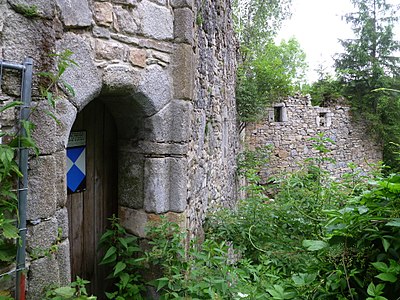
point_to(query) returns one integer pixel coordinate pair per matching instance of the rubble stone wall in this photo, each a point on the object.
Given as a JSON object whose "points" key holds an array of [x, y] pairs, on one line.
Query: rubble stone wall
{"points": [[165, 70], [290, 124]]}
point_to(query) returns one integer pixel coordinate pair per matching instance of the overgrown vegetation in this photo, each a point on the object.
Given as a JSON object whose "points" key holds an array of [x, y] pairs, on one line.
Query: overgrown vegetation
{"points": [[9, 174], [318, 238], [304, 236], [124, 255]]}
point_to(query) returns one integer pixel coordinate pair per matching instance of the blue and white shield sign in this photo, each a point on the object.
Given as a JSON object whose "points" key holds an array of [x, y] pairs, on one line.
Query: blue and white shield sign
{"points": [[76, 162]]}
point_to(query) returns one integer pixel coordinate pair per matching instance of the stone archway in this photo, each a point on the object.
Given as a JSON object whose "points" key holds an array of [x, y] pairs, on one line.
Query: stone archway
{"points": [[152, 135]]}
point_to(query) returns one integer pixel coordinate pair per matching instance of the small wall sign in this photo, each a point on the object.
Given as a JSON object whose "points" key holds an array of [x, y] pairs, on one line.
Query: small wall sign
{"points": [[76, 162]]}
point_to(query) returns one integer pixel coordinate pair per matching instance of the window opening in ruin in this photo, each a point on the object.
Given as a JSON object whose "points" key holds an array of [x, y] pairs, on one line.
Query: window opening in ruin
{"points": [[322, 119], [278, 114]]}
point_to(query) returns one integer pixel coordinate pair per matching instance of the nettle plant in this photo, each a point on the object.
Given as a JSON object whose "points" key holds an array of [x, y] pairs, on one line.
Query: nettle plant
{"points": [[125, 257]]}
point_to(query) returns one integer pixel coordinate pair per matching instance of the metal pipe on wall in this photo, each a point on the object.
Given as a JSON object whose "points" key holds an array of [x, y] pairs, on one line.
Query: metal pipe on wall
{"points": [[26, 94]]}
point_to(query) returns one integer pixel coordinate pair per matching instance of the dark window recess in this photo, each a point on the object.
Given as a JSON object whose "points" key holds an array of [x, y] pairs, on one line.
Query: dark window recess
{"points": [[278, 114], [322, 119]]}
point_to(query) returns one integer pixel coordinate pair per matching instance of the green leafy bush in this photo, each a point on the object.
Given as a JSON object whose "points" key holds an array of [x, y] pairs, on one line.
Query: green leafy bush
{"points": [[313, 237], [123, 254], [195, 271], [76, 290]]}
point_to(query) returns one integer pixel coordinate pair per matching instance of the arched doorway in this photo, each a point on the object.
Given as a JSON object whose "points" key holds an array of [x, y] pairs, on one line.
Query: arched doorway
{"points": [[91, 203]]}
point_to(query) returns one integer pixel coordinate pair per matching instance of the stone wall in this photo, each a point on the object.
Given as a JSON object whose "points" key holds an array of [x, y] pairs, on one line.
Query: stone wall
{"points": [[212, 163], [165, 70], [291, 123]]}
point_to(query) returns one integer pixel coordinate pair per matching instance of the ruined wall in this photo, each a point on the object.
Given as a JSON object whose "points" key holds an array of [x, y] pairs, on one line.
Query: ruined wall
{"points": [[212, 163], [290, 124], [165, 70]]}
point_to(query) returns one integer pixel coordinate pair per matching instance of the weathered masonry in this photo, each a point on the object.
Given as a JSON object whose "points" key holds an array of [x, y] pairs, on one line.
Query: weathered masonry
{"points": [[153, 115], [292, 122]]}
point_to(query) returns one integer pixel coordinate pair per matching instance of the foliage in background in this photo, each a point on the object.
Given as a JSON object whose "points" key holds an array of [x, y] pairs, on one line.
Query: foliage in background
{"points": [[367, 75], [325, 91], [369, 63], [267, 70], [275, 71], [257, 21], [318, 238]]}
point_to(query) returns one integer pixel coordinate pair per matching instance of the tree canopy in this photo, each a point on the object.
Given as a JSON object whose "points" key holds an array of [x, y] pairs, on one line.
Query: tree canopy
{"points": [[273, 72], [257, 21], [369, 62], [267, 70], [368, 73]]}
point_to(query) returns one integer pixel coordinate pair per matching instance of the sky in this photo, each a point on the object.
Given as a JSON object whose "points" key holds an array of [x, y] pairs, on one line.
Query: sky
{"points": [[317, 25]]}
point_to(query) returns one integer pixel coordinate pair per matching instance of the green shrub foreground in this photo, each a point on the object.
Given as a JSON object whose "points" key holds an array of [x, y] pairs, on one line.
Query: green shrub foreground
{"points": [[312, 237]]}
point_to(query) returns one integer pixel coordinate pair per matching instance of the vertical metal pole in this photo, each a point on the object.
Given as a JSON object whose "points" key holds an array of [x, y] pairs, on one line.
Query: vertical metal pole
{"points": [[26, 94]]}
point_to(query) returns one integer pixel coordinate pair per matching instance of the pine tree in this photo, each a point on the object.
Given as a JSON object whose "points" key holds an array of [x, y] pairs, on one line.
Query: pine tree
{"points": [[368, 62], [369, 72]]}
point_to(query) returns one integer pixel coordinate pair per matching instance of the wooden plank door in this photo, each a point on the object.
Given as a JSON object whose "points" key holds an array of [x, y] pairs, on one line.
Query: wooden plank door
{"points": [[89, 210]]}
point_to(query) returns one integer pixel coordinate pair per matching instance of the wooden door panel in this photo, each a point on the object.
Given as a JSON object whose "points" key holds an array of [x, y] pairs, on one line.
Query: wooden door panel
{"points": [[89, 210]]}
